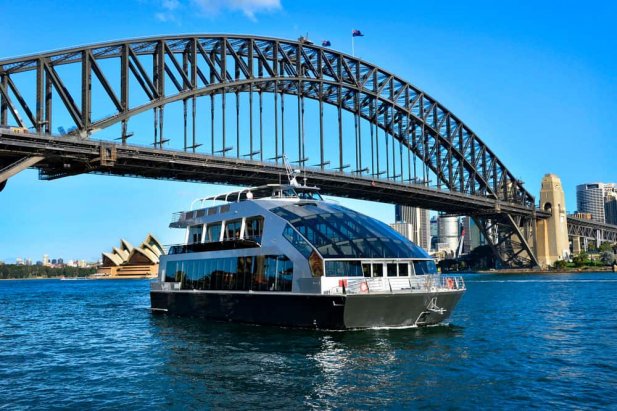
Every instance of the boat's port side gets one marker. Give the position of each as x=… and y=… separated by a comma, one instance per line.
x=358, y=303
x=265, y=308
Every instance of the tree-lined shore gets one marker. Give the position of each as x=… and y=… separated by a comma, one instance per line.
x=16, y=272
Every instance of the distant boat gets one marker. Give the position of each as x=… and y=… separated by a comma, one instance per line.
x=73, y=278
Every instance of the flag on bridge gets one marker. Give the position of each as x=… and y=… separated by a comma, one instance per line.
x=326, y=43
x=356, y=33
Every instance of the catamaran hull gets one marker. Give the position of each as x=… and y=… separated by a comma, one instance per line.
x=333, y=312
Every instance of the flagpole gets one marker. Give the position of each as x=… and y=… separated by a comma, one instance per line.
x=353, y=52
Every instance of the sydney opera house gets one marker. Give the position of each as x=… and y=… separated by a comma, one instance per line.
x=127, y=261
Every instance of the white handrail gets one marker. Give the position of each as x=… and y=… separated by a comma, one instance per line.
x=398, y=285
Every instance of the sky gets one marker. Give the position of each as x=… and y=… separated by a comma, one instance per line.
x=536, y=81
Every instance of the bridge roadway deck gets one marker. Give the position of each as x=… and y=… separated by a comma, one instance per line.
x=65, y=156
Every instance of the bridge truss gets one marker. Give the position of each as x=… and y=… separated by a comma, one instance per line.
x=593, y=230
x=246, y=99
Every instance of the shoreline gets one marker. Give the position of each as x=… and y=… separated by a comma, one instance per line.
x=581, y=270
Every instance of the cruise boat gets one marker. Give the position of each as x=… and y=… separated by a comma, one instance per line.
x=281, y=255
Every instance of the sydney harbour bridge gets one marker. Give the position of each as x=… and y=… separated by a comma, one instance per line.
x=228, y=108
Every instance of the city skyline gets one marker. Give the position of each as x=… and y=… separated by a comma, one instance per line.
x=504, y=55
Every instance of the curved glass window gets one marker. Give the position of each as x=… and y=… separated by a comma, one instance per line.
x=338, y=232
x=298, y=242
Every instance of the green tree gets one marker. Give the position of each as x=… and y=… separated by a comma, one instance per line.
x=606, y=246
x=581, y=259
x=607, y=257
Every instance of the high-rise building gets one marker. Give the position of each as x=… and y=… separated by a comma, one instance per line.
x=45, y=260
x=610, y=207
x=404, y=229
x=419, y=220
x=591, y=198
x=473, y=237
x=434, y=232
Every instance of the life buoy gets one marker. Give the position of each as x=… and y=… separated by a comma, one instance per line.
x=450, y=283
x=363, y=287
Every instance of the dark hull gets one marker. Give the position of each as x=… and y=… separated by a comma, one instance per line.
x=309, y=311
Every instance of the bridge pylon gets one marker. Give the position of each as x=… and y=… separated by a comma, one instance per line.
x=553, y=244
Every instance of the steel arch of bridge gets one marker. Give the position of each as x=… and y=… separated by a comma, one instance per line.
x=208, y=65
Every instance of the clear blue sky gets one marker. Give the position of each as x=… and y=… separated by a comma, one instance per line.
x=536, y=81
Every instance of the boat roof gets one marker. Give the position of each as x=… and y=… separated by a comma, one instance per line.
x=258, y=192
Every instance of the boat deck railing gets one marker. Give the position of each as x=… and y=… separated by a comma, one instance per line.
x=386, y=285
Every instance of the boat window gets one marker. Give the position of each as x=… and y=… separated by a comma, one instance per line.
x=278, y=272
x=195, y=234
x=366, y=270
x=338, y=232
x=425, y=267
x=391, y=268
x=261, y=273
x=344, y=269
x=377, y=270
x=309, y=195
x=213, y=232
x=289, y=192
x=174, y=272
x=254, y=228
x=244, y=271
x=403, y=269
x=232, y=229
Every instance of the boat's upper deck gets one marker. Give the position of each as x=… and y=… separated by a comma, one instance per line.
x=287, y=193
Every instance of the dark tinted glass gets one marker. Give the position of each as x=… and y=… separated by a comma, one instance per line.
x=261, y=273
x=254, y=228
x=344, y=269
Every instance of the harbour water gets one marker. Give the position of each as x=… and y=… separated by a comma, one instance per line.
x=514, y=342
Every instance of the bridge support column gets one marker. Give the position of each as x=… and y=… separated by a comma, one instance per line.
x=576, y=245
x=552, y=233
x=15, y=167
x=510, y=238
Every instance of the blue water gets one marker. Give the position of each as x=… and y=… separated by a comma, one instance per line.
x=514, y=342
